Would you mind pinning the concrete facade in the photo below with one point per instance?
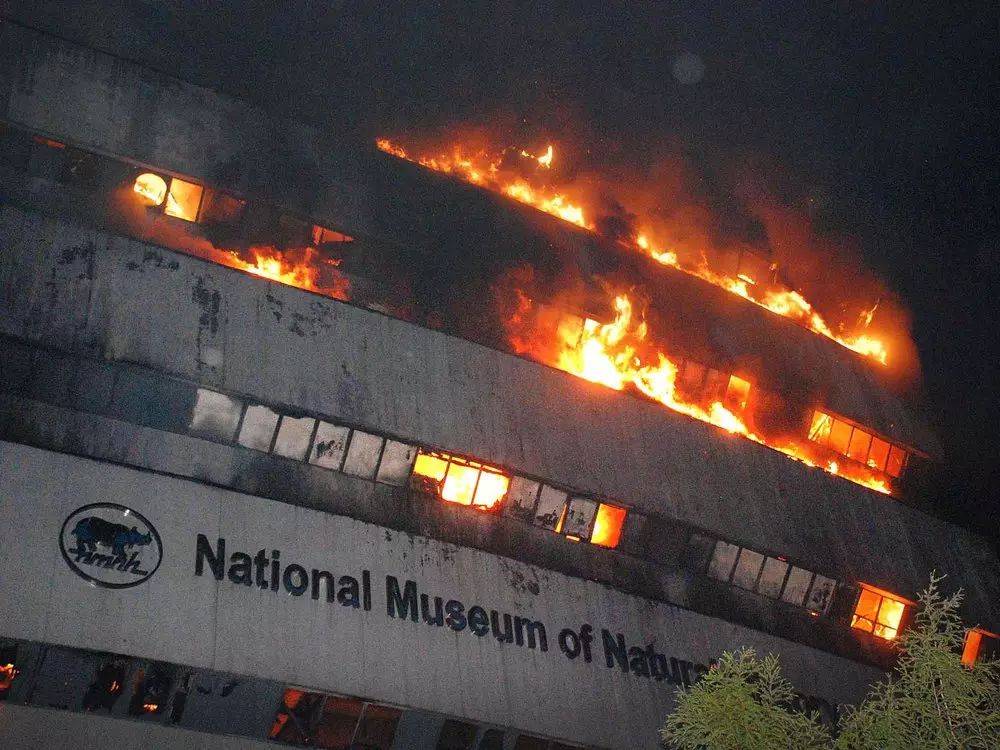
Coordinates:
(108, 341)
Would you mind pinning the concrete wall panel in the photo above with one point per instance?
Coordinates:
(226, 626)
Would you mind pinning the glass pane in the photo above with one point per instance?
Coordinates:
(522, 495)
(865, 610)
(723, 559)
(335, 727)
(429, 471)
(551, 505)
(860, 442)
(772, 577)
(878, 454)
(578, 517)
(215, 416)
(692, 377)
(362, 454)
(715, 385)
(456, 735)
(840, 436)
(293, 437)
(397, 458)
(747, 569)
(460, 482)
(970, 652)
(258, 427)
(889, 617)
(377, 727)
(796, 586)
(821, 594)
(608, 525)
(819, 430)
(897, 458)
(491, 490)
(183, 200)
(328, 448)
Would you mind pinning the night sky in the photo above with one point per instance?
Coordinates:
(879, 120)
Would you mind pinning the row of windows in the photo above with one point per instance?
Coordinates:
(452, 478)
(858, 444)
(219, 703)
(773, 577)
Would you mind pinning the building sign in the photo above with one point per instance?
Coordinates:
(110, 545)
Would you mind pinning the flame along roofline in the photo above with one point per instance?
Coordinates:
(864, 346)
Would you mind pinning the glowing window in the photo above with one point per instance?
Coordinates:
(737, 394)
(975, 642)
(840, 436)
(878, 612)
(7, 674)
(819, 430)
(151, 188)
(860, 443)
(608, 525)
(183, 200)
(459, 480)
(879, 454)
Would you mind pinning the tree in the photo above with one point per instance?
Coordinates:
(743, 703)
(933, 702)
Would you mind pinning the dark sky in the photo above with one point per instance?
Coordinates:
(885, 114)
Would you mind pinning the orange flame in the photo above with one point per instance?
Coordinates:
(623, 354)
(481, 170)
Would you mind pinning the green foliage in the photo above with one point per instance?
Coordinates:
(933, 701)
(742, 704)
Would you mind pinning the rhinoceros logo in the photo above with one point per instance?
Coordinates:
(110, 545)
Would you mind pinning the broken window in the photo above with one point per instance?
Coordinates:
(151, 188)
(737, 393)
(183, 200)
(857, 443)
(878, 612)
(104, 691)
(8, 670)
(459, 480)
(522, 496)
(214, 416)
(550, 509)
(329, 445)
(608, 525)
(579, 514)
(151, 690)
(326, 721)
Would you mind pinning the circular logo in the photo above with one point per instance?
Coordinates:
(110, 545)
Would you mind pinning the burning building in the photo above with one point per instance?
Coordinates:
(316, 442)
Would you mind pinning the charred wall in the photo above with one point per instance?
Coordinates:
(84, 291)
(442, 242)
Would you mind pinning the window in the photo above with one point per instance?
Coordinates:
(257, 430)
(737, 393)
(879, 612)
(857, 444)
(8, 657)
(459, 480)
(326, 721)
(183, 200)
(772, 577)
(151, 188)
(363, 452)
(978, 643)
(329, 445)
(577, 518)
(214, 416)
(293, 437)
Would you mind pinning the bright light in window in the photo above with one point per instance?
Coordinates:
(608, 526)
(151, 188)
(183, 200)
(458, 480)
(879, 613)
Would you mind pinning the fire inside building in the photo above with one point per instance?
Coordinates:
(311, 443)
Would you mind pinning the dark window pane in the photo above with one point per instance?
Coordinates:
(456, 735)
(377, 727)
